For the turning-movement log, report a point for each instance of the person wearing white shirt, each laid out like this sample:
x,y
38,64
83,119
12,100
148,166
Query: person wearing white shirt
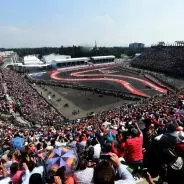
x,y
97,148
28,173
5,180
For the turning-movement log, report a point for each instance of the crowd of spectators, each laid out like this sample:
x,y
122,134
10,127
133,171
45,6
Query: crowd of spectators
x,y
117,146
168,60
26,99
5,104
121,145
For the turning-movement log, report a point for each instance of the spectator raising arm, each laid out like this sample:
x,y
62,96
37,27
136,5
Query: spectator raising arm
x,y
124,175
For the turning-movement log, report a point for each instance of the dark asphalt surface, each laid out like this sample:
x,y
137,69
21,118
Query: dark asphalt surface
x,y
105,84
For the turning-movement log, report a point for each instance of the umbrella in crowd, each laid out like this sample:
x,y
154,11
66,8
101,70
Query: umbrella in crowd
x,y
18,143
62,156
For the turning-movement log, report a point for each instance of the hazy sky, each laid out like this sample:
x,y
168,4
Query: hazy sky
x,y
36,23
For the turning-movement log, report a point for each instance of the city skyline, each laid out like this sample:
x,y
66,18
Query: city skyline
x,y
80,22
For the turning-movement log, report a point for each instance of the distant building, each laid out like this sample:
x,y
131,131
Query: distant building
x,y
102,59
9,54
136,46
32,64
54,57
6,53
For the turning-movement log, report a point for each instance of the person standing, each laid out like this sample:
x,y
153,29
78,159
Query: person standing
x,y
133,147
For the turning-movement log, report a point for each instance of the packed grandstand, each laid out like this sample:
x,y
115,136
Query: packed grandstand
x,y
168,60
127,144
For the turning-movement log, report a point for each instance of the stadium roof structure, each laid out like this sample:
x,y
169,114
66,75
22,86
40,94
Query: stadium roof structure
x,y
31,65
70,60
31,60
103,57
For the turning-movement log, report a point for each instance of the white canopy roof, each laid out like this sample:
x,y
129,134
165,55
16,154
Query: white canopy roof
x,y
52,57
31,65
71,60
31,59
103,57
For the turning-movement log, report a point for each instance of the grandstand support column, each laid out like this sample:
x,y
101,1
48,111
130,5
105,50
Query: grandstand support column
x,y
15,58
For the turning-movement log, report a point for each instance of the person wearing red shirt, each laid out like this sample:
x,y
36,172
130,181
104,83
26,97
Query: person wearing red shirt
x,y
120,150
134,146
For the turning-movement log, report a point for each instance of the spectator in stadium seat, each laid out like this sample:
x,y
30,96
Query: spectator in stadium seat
x,y
134,148
120,150
84,174
105,173
81,145
16,173
30,169
180,144
36,178
61,178
97,148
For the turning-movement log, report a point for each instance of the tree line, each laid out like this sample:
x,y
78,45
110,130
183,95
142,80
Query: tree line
x,y
74,51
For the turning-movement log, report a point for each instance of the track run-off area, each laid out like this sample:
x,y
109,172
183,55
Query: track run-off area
x,y
76,76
